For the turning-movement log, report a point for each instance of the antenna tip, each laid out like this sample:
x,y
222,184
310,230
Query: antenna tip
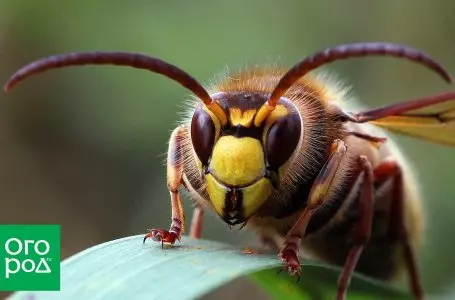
x,y
9,85
444,74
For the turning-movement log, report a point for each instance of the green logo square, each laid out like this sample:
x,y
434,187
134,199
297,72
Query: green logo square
x,y
29,257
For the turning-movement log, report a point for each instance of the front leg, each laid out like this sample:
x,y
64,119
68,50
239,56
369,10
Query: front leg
x,y
318,194
174,180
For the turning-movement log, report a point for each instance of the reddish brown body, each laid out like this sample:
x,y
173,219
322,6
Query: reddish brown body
x,y
278,152
329,233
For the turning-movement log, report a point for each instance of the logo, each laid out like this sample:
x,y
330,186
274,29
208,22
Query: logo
x,y
29,257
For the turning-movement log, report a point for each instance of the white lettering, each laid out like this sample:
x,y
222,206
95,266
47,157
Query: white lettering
x,y
24,265
15,246
8,249
47,247
31,242
43,263
8,269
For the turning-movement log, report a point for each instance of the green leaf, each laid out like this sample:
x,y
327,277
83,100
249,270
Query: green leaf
x,y
127,269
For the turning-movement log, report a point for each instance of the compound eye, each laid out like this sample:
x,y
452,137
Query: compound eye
x,y
203,133
282,139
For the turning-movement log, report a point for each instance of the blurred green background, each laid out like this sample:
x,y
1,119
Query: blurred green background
x,y
84,147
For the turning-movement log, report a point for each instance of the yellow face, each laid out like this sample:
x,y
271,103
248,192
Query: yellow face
x,y
235,179
241,162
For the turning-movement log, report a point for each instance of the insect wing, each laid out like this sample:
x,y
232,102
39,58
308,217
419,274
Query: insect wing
x,y
431,118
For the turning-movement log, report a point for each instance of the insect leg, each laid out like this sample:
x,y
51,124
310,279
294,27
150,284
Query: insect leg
x,y
362,227
174,180
196,223
318,194
397,230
